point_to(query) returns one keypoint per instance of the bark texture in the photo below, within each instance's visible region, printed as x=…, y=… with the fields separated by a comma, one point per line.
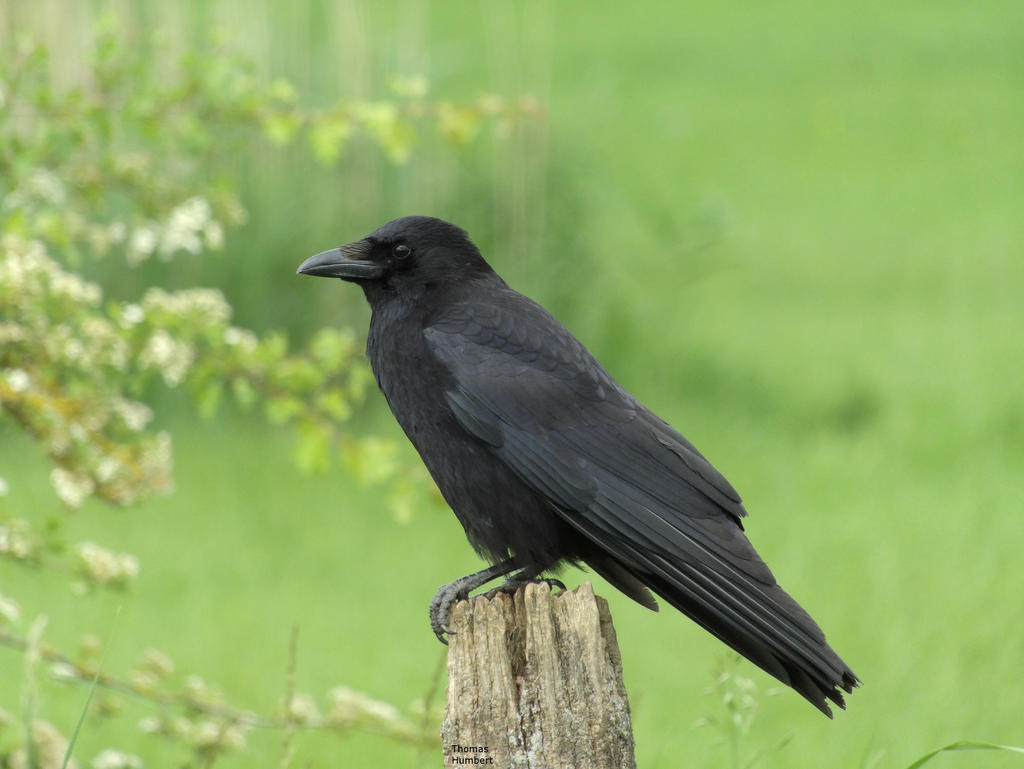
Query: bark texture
x=535, y=682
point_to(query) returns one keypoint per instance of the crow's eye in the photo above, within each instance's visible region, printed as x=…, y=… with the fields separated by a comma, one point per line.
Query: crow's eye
x=401, y=251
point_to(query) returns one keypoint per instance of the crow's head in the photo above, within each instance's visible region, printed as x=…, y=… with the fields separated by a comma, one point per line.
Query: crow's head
x=405, y=256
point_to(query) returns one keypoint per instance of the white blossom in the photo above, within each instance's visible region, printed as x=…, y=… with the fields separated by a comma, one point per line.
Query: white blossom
x=194, y=213
x=103, y=343
x=129, y=565
x=159, y=662
x=169, y=356
x=9, y=610
x=206, y=734
x=18, y=380
x=26, y=271
x=151, y=725
x=116, y=232
x=302, y=709
x=71, y=286
x=240, y=337
x=108, y=469
x=11, y=332
x=16, y=539
x=64, y=671
x=143, y=242
x=156, y=463
x=197, y=687
x=39, y=186
x=46, y=186
x=143, y=680
x=184, y=226
x=115, y=759
x=179, y=240
x=101, y=566
x=132, y=315
x=210, y=734
x=73, y=349
x=50, y=747
x=134, y=414
x=206, y=304
x=348, y=705
x=72, y=488
x=213, y=233
x=233, y=737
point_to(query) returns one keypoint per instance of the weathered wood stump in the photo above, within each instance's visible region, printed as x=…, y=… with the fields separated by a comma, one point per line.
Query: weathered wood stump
x=535, y=682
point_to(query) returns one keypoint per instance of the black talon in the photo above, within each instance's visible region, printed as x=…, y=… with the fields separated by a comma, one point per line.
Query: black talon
x=459, y=590
x=522, y=579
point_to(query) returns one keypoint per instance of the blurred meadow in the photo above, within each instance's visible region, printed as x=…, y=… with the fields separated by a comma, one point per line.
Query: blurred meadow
x=794, y=230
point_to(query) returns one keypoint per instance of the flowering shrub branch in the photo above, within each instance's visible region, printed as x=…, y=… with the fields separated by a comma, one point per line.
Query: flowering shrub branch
x=126, y=164
x=195, y=713
x=71, y=366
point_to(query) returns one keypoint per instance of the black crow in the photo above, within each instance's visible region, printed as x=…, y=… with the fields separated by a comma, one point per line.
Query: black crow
x=545, y=459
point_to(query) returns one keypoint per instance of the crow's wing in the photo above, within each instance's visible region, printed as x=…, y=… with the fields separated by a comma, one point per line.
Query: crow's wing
x=626, y=480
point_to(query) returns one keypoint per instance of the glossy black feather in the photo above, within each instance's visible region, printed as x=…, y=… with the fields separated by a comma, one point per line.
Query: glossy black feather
x=543, y=456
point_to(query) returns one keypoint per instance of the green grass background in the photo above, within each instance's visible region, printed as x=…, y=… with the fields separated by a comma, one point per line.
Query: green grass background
x=795, y=230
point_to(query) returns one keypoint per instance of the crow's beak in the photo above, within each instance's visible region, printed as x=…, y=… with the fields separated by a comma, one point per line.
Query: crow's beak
x=350, y=262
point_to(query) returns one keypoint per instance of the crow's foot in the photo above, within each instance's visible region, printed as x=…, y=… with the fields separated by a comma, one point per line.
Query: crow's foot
x=459, y=590
x=516, y=581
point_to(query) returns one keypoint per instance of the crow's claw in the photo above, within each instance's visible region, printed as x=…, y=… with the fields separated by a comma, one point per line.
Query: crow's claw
x=459, y=590
x=513, y=583
x=441, y=608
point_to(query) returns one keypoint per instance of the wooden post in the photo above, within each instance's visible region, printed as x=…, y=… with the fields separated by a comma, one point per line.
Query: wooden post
x=535, y=682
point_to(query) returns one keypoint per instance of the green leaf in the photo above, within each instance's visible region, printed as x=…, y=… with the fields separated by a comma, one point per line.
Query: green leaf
x=359, y=378
x=283, y=408
x=273, y=347
x=329, y=348
x=458, y=124
x=313, y=451
x=964, y=745
x=398, y=143
x=328, y=136
x=283, y=91
x=245, y=393
x=371, y=460
x=382, y=122
x=298, y=375
x=334, y=404
x=92, y=691
x=280, y=127
x=402, y=500
x=410, y=86
x=209, y=398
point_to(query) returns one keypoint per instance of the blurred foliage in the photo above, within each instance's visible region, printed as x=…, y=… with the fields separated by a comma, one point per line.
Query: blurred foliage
x=189, y=712
x=737, y=700
x=126, y=164
x=791, y=229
